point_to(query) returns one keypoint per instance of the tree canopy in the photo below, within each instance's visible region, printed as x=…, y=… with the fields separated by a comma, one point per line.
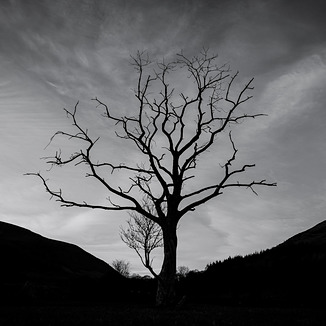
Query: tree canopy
x=183, y=108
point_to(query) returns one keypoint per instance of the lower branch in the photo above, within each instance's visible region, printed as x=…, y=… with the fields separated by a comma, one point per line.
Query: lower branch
x=69, y=203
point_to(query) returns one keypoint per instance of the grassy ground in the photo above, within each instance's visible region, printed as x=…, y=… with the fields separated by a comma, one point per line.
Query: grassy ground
x=110, y=315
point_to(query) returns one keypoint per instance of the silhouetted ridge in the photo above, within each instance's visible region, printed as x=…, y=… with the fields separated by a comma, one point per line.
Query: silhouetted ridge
x=313, y=236
x=40, y=253
x=292, y=273
x=10, y=231
x=54, y=268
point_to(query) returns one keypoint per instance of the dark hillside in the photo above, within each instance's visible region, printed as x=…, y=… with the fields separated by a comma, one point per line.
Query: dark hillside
x=292, y=273
x=36, y=267
x=316, y=236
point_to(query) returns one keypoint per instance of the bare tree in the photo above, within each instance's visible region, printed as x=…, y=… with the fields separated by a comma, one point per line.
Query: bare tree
x=182, y=271
x=143, y=235
x=172, y=129
x=121, y=266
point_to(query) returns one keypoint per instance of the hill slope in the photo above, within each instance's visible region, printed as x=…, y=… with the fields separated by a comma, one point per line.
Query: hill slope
x=290, y=273
x=31, y=263
x=315, y=236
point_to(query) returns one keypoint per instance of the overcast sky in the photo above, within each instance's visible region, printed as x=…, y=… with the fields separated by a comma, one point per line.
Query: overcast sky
x=54, y=53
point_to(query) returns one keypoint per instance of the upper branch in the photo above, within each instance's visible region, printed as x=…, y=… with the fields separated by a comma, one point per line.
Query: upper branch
x=217, y=122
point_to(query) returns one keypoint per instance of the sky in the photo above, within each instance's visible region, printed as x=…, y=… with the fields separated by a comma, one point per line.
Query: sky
x=55, y=53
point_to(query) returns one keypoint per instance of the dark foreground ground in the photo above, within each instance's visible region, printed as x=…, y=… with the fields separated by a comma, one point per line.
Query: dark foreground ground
x=122, y=314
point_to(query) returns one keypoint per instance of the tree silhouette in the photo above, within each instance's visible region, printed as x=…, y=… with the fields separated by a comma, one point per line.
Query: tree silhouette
x=121, y=266
x=182, y=271
x=143, y=235
x=171, y=127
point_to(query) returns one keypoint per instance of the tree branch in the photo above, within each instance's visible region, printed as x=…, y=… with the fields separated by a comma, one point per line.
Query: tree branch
x=215, y=189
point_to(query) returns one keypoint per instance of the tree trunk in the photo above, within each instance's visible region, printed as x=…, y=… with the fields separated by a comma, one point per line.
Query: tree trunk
x=166, y=294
